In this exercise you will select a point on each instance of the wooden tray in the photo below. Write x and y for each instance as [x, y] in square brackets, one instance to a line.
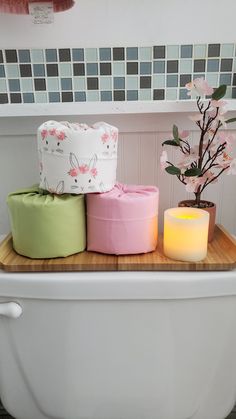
[221, 257]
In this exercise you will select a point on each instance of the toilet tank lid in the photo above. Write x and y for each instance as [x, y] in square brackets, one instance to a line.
[117, 285]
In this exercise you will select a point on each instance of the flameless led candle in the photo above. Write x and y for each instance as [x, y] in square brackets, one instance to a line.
[186, 234]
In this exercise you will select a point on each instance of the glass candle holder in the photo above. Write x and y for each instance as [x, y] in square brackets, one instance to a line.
[186, 234]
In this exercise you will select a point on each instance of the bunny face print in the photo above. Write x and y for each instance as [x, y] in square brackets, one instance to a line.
[83, 176]
[53, 138]
[58, 190]
[108, 139]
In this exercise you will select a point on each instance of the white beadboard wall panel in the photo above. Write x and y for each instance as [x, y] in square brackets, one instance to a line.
[140, 146]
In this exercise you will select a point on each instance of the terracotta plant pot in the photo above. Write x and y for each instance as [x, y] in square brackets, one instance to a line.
[211, 209]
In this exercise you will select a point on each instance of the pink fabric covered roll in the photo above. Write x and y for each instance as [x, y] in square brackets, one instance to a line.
[124, 220]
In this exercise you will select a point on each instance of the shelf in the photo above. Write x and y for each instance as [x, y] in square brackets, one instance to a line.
[102, 108]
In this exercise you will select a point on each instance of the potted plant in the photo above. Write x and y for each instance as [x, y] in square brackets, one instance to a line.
[202, 164]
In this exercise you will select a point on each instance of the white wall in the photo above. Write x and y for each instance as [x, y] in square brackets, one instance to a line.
[98, 23]
[139, 152]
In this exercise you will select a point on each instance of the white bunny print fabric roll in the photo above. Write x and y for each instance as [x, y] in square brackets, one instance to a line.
[76, 158]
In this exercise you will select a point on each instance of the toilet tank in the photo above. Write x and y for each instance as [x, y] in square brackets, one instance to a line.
[127, 345]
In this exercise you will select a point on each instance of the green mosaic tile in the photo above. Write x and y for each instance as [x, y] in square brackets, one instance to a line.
[105, 83]
[213, 79]
[37, 56]
[145, 53]
[158, 81]
[53, 84]
[41, 97]
[172, 51]
[118, 68]
[132, 82]
[65, 69]
[145, 94]
[200, 51]
[91, 54]
[3, 86]
[26, 85]
[185, 66]
[171, 94]
[79, 83]
[12, 70]
[227, 50]
[92, 96]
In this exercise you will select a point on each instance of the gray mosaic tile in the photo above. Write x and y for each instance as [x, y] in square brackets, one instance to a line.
[51, 55]
[158, 94]
[3, 86]
[119, 83]
[132, 95]
[118, 68]
[132, 67]
[3, 98]
[78, 54]
[25, 70]
[105, 54]
[183, 94]
[105, 69]
[65, 69]
[132, 82]
[106, 96]
[93, 96]
[53, 84]
[199, 51]
[186, 51]
[24, 56]
[14, 85]
[145, 68]
[12, 70]
[80, 97]
[226, 64]
[213, 65]
[172, 80]
[64, 54]
[41, 97]
[11, 56]
[28, 97]
[105, 83]
[92, 69]
[66, 84]
[15, 98]
[1, 56]
[184, 79]
[79, 69]
[145, 53]
[172, 66]
[67, 96]
[199, 66]
[159, 51]
[92, 83]
[39, 84]
[91, 54]
[226, 79]
[145, 82]
[52, 70]
[27, 85]
[2, 71]
[119, 95]
[79, 83]
[213, 50]
[132, 53]
[118, 54]
[37, 55]
[39, 70]
[159, 66]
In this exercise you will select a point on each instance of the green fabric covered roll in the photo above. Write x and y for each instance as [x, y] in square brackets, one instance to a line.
[45, 225]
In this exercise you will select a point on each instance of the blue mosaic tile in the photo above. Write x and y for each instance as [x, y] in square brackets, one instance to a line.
[28, 97]
[80, 97]
[105, 54]
[132, 53]
[78, 54]
[106, 96]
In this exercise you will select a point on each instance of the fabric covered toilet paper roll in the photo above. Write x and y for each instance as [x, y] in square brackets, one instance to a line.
[81, 158]
[124, 220]
[46, 225]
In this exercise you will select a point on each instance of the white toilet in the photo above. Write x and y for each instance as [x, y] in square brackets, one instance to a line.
[118, 345]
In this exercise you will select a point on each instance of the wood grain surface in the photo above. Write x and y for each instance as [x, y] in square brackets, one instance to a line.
[221, 256]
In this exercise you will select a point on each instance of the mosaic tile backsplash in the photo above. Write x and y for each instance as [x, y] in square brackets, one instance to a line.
[113, 74]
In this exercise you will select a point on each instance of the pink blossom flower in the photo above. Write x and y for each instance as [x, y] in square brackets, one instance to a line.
[187, 159]
[94, 172]
[83, 169]
[193, 182]
[52, 131]
[199, 86]
[163, 160]
[223, 160]
[74, 172]
[209, 175]
[225, 137]
[44, 134]
[196, 118]
[221, 104]
[105, 137]
[60, 135]
[184, 134]
[232, 169]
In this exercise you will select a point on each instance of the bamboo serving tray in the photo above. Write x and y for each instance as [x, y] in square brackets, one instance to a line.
[221, 256]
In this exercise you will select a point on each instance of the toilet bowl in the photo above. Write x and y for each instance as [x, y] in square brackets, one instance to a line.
[118, 345]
